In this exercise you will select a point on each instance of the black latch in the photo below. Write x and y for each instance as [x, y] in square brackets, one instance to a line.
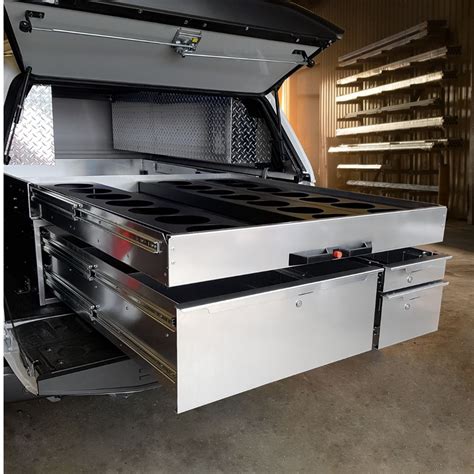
[25, 25]
[306, 59]
[329, 253]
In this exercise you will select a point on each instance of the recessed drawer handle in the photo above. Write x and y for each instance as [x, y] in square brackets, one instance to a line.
[401, 294]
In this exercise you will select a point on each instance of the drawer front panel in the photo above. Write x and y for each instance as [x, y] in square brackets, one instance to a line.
[414, 274]
[232, 346]
[410, 313]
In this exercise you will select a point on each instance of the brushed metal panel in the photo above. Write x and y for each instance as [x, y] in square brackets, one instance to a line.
[210, 255]
[232, 346]
[415, 273]
[410, 313]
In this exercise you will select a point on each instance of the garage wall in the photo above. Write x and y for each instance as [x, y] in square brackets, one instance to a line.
[310, 94]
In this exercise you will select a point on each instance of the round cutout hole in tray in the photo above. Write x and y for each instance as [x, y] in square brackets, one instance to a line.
[177, 183]
[229, 182]
[267, 190]
[183, 220]
[201, 228]
[74, 185]
[90, 191]
[376, 211]
[354, 205]
[292, 194]
[270, 203]
[109, 196]
[301, 210]
[196, 187]
[246, 185]
[327, 216]
[218, 192]
[130, 203]
[321, 199]
[153, 211]
[244, 197]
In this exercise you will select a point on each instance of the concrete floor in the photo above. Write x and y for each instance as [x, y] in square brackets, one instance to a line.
[408, 408]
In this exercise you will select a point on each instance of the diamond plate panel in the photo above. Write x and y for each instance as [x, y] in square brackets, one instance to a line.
[186, 126]
[251, 142]
[200, 127]
[33, 141]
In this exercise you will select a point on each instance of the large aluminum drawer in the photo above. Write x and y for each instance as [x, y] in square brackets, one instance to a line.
[253, 225]
[221, 338]
[410, 313]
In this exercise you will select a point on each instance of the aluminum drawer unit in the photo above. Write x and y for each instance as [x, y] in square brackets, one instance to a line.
[217, 339]
[411, 288]
[211, 229]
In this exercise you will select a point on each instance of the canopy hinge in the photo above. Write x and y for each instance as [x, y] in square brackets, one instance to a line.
[25, 25]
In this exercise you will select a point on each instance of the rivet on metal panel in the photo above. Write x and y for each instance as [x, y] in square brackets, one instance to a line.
[299, 303]
[410, 278]
[407, 306]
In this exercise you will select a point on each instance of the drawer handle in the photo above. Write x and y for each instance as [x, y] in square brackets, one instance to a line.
[401, 294]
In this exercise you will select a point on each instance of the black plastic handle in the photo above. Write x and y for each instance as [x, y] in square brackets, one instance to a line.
[329, 253]
[364, 249]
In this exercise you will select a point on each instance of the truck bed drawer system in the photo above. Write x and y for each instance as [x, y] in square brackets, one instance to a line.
[181, 221]
[216, 338]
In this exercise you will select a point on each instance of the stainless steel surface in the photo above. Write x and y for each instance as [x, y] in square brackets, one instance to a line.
[217, 128]
[231, 346]
[33, 141]
[193, 253]
[410, 313]
[117, 316]
[413, 273]
[43, 300]
[210, 255]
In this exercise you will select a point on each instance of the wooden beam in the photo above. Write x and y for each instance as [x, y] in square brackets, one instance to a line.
[356, 166]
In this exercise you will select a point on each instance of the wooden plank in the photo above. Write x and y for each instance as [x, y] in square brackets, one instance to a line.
[429, 78]
[411, 145]
[394, 186]
[426, 57]
[470, 156]
[356, 166]
[428, 25]
[389, 127]
[433, 103]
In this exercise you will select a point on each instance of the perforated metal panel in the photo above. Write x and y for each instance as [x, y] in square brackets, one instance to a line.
[200, 127]
[33, 140]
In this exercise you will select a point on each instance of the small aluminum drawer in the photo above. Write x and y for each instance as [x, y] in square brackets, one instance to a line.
[410, 313]
[217, 339]
[409, 267]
